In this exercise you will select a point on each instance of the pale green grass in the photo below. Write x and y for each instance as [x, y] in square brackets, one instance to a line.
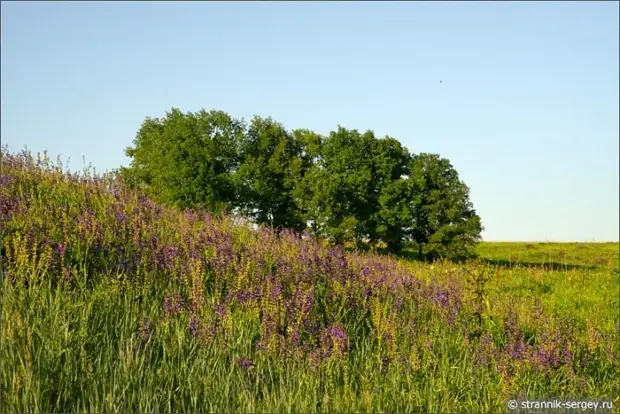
[600, 255]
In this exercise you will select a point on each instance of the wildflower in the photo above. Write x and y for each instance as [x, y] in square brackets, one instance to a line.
[442, 297]
[194, 325]
[385, 361]
[256, 293]
[315, 358]
[173, 304]
[166, 259]
[308, 303]
[146, 330]
[516, 349]
[335, 340]
[484, 350]
[220, 310]
[244, 363]
[567, 356]
[243, 296]
[276, 291]
[311, 327]
[68, 275]
[295, 337]
[61, 249]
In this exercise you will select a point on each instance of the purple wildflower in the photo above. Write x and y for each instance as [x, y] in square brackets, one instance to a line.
[243, 296]
[194, 325]
[484, 350]
[295, 337]
[308, 303]
[244, 363]
[276, 291]
[335, 340]
[220, 310]
[516, 349]
[167, 257]
[567, 356]
[60, 248]
[546, 358]
[173, 304]
[442, 297]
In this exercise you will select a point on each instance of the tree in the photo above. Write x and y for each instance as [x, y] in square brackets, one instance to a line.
[306, 171]
[444, 223]
[390, 190]
[336, 189]
[271, 163]
[395, 216]
[187, 160]
[348, 186]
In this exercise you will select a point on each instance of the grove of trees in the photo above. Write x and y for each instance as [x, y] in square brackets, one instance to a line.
[346, 187]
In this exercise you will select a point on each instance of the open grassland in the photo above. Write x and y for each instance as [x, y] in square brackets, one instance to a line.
[558, 256]
[111, 303]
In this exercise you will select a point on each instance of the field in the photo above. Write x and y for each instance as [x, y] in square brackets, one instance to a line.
[111, 303]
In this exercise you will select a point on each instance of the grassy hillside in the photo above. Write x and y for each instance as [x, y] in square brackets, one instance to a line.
[113, 303]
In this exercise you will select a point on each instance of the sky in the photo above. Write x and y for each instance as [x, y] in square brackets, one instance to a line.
[521, 97]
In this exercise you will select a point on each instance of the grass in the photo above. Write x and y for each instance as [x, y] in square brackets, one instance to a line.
[561, 256]
[111, 303]
[576, 279]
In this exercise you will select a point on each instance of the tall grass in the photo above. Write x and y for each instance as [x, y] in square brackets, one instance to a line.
[111, 303]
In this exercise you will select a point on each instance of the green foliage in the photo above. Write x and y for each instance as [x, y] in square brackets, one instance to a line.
[187, 160]
[270, 164]
[339, 187]
[390, 193]
[396, 213]
[445, 222]
[348, 187]
[307, 201]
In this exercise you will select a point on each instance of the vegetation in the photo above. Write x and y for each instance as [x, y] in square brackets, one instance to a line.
[114, 303]
[347, 186]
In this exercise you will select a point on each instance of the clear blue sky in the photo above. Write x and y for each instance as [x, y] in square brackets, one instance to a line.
[527, 110]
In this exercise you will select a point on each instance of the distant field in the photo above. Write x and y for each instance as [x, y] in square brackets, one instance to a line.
[557, 255]
[579, 280]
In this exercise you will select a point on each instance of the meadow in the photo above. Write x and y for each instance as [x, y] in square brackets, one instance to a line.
[112, 303]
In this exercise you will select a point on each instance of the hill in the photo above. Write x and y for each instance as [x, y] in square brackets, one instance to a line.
[112, 302]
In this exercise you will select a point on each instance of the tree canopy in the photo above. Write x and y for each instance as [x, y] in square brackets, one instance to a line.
[188, 160]
[347, 187]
